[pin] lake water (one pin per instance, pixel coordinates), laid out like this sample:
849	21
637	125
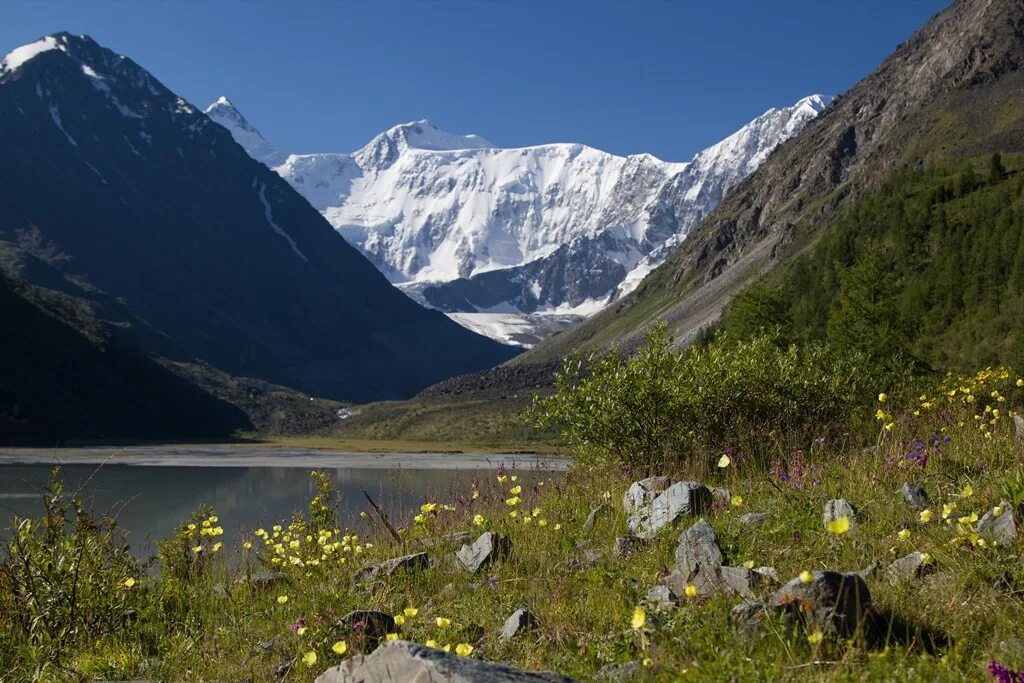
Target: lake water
150	494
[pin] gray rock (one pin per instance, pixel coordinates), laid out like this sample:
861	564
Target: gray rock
488	548
711	580
417	561
677	501
1018	423
915	496
370	624
662	596
720	497
769	573
643	492
521	620
598	512
870	570
836	602
400	661
625	546
748	617
698	546
754	519
266	579
618	673
837	509
1002	529
906	568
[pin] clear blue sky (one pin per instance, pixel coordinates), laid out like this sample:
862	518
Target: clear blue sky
665	77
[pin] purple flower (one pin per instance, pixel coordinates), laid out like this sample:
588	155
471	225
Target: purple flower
1004	675
294	628
492	581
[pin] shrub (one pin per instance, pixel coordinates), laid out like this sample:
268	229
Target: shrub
666	403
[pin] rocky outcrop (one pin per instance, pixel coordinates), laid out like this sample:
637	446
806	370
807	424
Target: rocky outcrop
489	547
370	573
676	502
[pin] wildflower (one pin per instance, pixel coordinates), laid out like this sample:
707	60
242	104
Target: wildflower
904	534
363	514
476	494
925	516
419	519
997	511
527	520
724	461
513	501
247	545
410	612
806	577
542	522
191	527
431	643
300	631
463	649
399	619
443	622
309	659
340	647
947	510
447	647
514	477
690	590
516	490
967	492
736	501
216	546
513	514
502	479
647	663
281	599
535	512
926	559
1020	382
427	508
815	638
749	564
197	549
129	582
639	618
391	636
839	526
882	398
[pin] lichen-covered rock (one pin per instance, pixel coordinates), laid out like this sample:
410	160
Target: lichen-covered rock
698	546
837	509
915	496
488	548
748	617
521	620
400	661
835	602
642	492
417	561
679	500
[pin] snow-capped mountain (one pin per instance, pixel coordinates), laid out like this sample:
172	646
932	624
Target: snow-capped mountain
559	229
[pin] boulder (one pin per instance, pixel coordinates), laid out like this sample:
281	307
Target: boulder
521	620
662	596
677	501
643	492
625	546
837	509
1001	529
747	617
488	548
754	519
711	580
400	661
369	624
913	566
618	673
594	515
915	496
417	561
698	546
720	497
837	603
1018	424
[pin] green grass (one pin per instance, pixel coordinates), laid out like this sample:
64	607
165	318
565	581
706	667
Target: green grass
182	628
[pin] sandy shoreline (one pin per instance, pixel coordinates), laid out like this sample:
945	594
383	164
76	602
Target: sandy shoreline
238	456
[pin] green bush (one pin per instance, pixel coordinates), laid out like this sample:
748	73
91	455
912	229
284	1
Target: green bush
664	404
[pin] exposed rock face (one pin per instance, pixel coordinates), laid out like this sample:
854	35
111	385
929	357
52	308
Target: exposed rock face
698	547
836	602
417	561
400	661
520	621
642	492
674	503
489	547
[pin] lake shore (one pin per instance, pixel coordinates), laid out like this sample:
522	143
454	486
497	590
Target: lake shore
232	455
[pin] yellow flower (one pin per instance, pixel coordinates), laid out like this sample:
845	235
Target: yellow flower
399	619
691	590
129	582
947	509
749	564
391	636
967	492
558	527
815	637
300	631
839	526
806	577
926	558
647	663
639	618
217	546
527	520
431	643
514	500
309	659
443	622
478	520
447	647
247	545
463	649
281	599
191	527
513	514
197	549
542	522
514	477
1020	382
536	512
997	511
736	501
410	612
340	647
516	490
724	461
904	534
925	516
882	398
502	479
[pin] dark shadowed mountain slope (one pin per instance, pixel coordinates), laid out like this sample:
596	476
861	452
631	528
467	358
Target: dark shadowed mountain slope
955	90
213	256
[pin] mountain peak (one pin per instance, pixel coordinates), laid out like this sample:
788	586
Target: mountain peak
423	134
245	134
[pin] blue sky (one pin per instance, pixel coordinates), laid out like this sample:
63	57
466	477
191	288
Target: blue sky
665	77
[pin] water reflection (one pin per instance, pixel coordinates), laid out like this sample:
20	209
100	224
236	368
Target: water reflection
151	501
